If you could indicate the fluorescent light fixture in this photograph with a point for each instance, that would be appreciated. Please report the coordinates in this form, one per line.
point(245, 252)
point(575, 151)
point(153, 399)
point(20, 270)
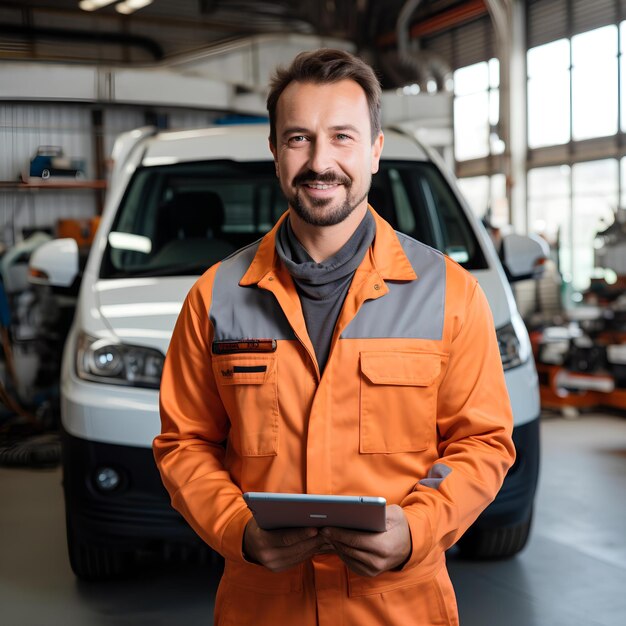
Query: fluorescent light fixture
point(130, 6)
point(92, 5)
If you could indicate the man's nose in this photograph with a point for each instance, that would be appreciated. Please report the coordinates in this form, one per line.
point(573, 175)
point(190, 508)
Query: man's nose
point(320, 156)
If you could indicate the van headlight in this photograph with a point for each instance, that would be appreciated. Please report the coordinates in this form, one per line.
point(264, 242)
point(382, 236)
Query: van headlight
point(105, 361)
point(514, 343)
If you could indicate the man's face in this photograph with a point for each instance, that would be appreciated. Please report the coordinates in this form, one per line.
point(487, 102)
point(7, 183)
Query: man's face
point(324, 153)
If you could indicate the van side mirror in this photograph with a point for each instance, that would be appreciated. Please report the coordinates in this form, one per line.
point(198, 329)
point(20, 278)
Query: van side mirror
point(524, 256)
point(55, 263)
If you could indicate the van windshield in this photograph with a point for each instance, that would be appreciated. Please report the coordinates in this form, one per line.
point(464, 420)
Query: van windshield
point(181, 219)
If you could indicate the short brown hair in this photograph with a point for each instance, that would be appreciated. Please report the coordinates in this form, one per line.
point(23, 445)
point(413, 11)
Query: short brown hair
point(326, 66)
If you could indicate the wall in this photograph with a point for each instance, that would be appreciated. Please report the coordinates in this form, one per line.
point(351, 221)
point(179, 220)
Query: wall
point(25, 127)
point(22, 129)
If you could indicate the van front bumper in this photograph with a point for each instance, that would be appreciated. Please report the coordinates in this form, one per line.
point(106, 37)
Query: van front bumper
point(136, 513)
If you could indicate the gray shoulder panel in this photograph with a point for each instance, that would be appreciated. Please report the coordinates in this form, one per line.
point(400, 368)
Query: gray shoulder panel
point(244, 312)
point(411, 310)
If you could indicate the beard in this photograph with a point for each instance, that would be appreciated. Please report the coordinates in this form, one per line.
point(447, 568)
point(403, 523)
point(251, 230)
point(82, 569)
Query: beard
point(320, 211)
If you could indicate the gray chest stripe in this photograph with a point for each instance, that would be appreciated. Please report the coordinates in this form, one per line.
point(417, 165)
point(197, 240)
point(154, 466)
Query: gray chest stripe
point(244, 312)
point(411, 310)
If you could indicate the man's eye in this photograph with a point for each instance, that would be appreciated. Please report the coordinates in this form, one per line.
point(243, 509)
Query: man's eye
point(297, 139)
point(343, 137)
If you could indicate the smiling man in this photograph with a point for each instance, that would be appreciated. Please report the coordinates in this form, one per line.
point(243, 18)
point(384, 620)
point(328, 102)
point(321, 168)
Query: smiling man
point(324, 152)
point(335, 356)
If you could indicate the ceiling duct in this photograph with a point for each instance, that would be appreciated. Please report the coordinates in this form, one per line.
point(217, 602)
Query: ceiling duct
point(409, 65)
point(268, 16)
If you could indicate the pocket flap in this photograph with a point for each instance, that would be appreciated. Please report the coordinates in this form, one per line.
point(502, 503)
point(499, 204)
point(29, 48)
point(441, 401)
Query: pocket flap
point(244, 369)
point(401, 368)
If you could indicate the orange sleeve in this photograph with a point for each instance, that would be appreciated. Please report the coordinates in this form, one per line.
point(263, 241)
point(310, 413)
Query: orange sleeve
point(474, 422)
point(189, 452)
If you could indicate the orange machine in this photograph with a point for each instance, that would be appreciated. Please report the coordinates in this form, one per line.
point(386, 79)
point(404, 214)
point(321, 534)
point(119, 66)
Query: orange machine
point(582, 365)
point(83, 230)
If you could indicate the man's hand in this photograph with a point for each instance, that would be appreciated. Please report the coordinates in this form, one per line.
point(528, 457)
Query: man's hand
point(279, 550)
point(370, 554)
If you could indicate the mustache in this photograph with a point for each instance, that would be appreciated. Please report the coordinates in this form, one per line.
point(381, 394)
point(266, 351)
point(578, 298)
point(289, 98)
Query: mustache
point(325, 178)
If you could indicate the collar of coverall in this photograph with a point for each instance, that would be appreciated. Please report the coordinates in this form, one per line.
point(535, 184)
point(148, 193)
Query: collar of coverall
point(386, 255)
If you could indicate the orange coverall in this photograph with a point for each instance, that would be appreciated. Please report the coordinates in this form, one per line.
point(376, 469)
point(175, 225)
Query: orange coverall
point(412, 406)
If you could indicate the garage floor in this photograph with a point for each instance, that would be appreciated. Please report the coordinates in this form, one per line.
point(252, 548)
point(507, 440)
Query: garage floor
point(573, 572)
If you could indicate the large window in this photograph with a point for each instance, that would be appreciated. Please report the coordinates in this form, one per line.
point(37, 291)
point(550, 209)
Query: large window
point(573, 96)
point(594, 83)
point(549, 210)
point(476, 116)
point(477, 110)
point(549, 94)
point(576, 106)
point(573, 88)
point(569, 206)
point(594, 198)
point(486, 196)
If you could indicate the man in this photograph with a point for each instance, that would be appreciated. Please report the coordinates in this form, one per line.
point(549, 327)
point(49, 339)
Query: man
point(377, 372)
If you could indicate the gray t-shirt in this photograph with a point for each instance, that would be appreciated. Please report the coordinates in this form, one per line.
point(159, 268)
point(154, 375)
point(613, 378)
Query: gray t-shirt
point(322, 287)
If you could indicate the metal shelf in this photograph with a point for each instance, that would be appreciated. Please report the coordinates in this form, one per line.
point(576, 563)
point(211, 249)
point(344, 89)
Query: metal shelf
point(53, 184)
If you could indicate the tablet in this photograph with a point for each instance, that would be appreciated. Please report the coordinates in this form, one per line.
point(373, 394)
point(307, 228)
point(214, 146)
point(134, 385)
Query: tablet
point(297, 510)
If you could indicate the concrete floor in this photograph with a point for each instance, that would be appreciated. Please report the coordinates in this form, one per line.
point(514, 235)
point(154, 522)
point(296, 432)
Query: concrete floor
point(573, 572)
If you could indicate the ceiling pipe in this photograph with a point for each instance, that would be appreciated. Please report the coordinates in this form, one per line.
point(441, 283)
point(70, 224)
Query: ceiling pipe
point(31, 33)
point(402, 26)
point(445, 20)
point(409, 64)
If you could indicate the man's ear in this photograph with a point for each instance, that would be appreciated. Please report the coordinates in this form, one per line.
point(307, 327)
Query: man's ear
point(275, 155)
point(377, 149)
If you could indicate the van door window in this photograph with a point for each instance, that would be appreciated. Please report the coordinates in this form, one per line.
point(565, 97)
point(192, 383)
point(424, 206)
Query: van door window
point(418, 201)
point(404, 209)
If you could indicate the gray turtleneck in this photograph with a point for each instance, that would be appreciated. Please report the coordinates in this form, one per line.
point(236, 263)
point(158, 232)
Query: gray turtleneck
point(322, 287)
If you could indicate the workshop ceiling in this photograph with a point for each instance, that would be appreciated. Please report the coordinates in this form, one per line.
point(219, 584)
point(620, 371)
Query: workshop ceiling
point(58, 30)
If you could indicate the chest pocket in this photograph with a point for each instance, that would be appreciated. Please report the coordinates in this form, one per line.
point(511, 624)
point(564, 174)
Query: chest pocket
point(398, 407)
point(249, 390)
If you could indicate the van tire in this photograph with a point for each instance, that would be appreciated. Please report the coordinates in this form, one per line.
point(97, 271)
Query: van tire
point(93, 562)
point(495, 543)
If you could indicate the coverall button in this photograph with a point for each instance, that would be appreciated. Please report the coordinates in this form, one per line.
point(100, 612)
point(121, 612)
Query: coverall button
point(377, 286)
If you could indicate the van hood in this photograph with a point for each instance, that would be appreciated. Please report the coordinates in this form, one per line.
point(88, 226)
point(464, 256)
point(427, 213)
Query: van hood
point(499, 295)
point(142, 311)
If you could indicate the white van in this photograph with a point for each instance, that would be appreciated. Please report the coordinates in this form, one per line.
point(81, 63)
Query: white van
point(177, 203)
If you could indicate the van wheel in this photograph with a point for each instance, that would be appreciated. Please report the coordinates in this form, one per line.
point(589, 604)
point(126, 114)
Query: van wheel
point(95, 561)
point(495, 543)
